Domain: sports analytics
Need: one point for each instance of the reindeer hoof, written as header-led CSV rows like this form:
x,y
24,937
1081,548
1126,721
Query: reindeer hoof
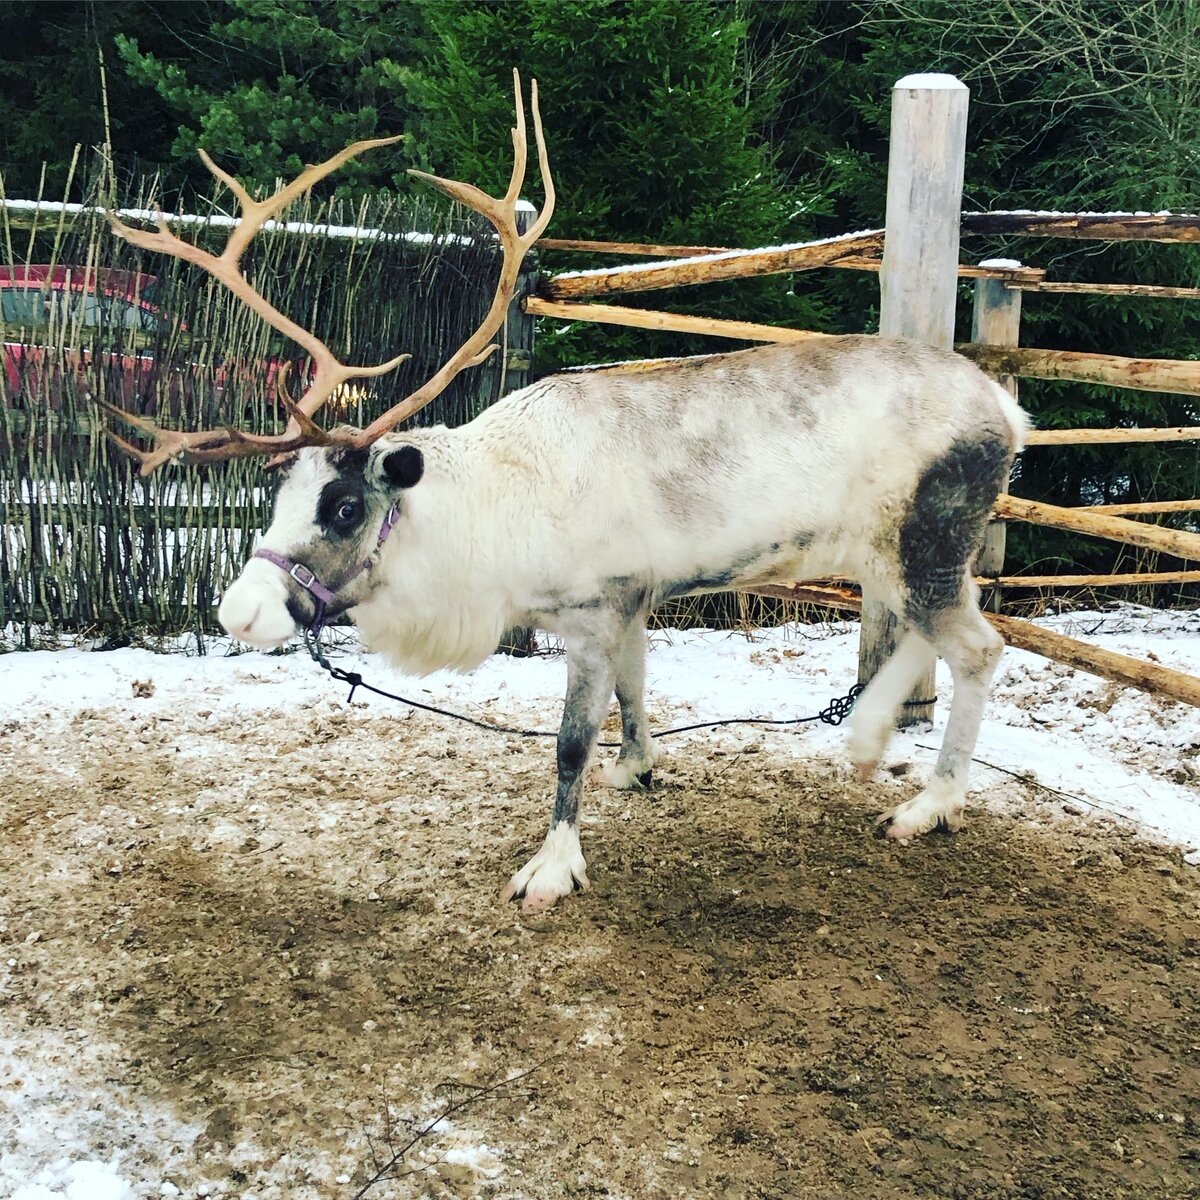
x,y
555,871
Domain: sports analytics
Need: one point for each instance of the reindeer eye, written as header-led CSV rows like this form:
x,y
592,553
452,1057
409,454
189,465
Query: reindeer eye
x,y
341,508
347,512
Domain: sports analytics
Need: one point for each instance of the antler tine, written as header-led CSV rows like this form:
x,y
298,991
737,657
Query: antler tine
x,y
255,213
214,445
211,445
501,212
536,230
169,444
519,140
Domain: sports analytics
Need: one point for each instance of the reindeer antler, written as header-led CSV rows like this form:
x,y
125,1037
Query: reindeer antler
x,y
211,445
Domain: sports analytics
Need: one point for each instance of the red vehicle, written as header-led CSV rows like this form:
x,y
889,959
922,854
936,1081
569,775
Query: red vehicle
x,y
51,314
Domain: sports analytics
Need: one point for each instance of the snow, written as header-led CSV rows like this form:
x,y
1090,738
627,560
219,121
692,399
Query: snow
x,y
1090,747
724,255
1049,212
85,1180
224,220
1002,264
931,83
1113,748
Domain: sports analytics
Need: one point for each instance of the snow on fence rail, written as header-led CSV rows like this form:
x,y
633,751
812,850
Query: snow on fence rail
x,y
25,214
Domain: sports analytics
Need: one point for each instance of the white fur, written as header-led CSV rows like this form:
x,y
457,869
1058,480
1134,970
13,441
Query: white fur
x,y
555,871
940,803
552,492
625,773
254,607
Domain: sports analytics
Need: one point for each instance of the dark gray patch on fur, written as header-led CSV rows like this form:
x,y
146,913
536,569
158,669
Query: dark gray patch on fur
x,y
349,460
347,488
623,594
278,470
300,612
705,451
714,581
576,736
815,373
685,498
682,500
945,523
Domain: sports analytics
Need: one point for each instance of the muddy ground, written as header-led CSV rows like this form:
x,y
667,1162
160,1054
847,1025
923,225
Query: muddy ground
x,y
279,934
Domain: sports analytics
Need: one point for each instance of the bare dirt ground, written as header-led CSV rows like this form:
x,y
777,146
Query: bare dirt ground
x,y
283,930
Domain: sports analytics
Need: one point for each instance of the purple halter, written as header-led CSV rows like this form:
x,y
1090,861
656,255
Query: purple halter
x,y
308,580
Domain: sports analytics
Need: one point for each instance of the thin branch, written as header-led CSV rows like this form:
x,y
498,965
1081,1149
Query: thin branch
x,y
455,1106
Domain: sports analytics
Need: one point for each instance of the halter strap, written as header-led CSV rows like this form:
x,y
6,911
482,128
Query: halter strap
x,y
307,578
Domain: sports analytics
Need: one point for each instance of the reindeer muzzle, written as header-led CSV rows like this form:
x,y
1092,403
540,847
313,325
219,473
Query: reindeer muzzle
x,y
326,602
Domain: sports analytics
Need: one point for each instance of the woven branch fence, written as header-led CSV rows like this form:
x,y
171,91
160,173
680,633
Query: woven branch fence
x,y
88,546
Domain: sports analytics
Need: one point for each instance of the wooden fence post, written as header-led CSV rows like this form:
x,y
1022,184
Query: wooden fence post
x,y
515,367
511,367
919,274
997,321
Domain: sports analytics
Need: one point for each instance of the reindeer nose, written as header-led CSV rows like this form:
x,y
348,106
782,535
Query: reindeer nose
x,y
255,610
245,629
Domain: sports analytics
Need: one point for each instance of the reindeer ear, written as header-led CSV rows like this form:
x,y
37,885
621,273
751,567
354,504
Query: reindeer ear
x,y
404,467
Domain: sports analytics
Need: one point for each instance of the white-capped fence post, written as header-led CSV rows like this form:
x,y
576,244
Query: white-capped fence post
x,y
997,322
919,276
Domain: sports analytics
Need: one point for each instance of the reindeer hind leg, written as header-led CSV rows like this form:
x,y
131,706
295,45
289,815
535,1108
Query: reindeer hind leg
x,y
938,541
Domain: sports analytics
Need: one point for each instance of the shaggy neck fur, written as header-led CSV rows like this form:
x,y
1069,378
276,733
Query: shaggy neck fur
x,y
436,602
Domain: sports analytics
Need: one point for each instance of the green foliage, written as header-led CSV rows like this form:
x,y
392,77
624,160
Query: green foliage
x,y
51,99
653,137
293,82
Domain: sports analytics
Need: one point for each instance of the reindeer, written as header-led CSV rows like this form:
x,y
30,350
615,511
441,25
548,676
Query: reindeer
x,y
582,501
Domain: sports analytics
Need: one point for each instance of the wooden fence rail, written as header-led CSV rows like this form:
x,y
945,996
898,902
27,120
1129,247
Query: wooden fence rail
x,y
733,264
1132,579
1118,529
1107,664
1180,376
1104,227
1145,508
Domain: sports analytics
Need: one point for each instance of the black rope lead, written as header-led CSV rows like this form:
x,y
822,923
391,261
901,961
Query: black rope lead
x,y
834,713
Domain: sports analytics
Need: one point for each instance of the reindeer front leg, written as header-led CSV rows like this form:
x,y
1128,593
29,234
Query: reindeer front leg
x,y
558,868
639,752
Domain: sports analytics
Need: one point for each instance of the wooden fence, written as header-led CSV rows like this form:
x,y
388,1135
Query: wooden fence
x,y
88,546
918,264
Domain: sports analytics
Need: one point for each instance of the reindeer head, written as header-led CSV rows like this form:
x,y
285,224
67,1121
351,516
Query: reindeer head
x,y
335,509
342,493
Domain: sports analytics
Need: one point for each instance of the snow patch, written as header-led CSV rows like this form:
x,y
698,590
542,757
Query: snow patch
x,y
931,83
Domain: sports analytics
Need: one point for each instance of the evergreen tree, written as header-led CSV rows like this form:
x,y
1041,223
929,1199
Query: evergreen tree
x,y
51,96
270,85
652,134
